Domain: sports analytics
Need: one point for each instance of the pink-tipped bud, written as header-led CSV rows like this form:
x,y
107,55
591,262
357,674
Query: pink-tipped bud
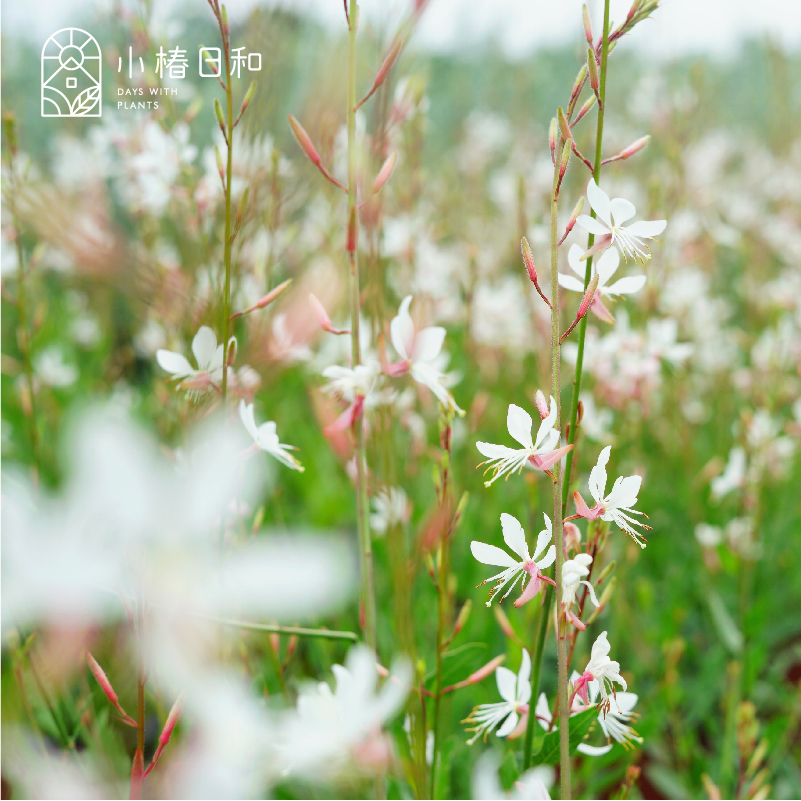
x,y
385,172
588,104
248,97
595,82
635,147
304,140
542,404
585,14
102,679
563,161
579,82
273,294
487,670
323,318
464,614
172,720
588,296
218,158
552,139
218,112
564,127
275,642
393,54
528,260
292,645
577,209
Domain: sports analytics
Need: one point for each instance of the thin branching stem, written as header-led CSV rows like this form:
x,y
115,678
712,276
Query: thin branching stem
x,y
228,243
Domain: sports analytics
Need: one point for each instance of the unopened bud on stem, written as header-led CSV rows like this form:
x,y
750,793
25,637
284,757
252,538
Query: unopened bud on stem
x,y
464,614
528,260
552,139
595,82
586,302
635,147
230,356
304,140
585,14
573,217
385,172
589,103
579,82
383,71
218,112
541,403
564,127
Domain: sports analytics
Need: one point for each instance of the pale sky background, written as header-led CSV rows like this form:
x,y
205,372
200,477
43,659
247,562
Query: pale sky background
x,y
680,26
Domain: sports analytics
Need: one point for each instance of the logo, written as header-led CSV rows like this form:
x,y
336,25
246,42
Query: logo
x,y
72,74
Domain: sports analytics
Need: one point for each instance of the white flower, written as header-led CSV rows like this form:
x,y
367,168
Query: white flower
x,y
418,351
532,785
614,723
516,693
541,454
390,508
601,669
708,536
351,382
573,572
515,538
330,728
605,267
732,476
611,214
618,505
208,354
51,368
265,437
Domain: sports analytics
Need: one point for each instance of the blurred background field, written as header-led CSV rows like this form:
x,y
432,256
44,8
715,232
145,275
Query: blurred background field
x,y
120,221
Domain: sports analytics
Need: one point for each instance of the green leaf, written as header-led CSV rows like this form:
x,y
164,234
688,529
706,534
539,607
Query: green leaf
x,y
580,726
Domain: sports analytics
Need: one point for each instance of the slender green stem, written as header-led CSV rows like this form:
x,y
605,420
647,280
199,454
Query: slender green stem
x,y
549,593
226,322
323,634
558,531
362,509
596,173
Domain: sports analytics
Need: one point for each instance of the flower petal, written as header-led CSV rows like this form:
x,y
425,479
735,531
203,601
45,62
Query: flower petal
x,y
548,559
592,226
568,282
496,451
594,750
174,363
524,679
401,329
607,264
627,285
599,201
647,228
490,555
622,210
247,415
597,480
514,536
507,683
519,423
427,344
575,263
203,346
624,492
508,726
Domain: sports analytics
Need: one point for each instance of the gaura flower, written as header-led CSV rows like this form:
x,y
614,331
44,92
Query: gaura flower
x,y
606,267
532,785
515,538
390,508
516,693
573,571
608,225
540,454
614,723
265,437
352,384
418,350
601,669
617,506
209,356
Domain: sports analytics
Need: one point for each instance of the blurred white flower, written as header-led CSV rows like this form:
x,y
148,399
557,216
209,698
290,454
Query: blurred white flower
x,y
608,224
605,268
209,356
52,370
532,785
708,536
516,693
390,508
515,539
540,454
418,351
601,669
733,475
265,437
618,505
332,729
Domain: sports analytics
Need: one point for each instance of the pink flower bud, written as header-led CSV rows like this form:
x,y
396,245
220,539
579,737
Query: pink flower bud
x,y
503,622
102,679
635,147
572,536
394,52
172,719
487,670
304,140
385,172
552,139
230,356
531,268
137,774
588,296
542,404
585,14
463,615
564,127
595,82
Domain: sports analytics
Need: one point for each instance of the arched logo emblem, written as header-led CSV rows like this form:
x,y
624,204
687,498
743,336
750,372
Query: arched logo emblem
x,y
72,73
